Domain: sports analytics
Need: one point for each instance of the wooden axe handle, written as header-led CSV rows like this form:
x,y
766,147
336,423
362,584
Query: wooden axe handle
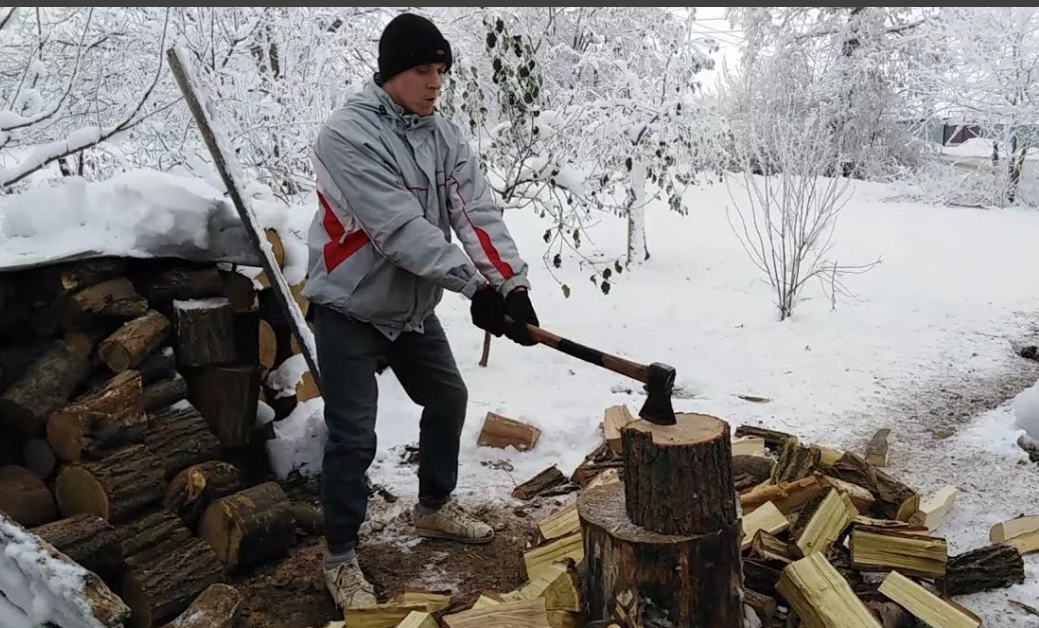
x,y
634,370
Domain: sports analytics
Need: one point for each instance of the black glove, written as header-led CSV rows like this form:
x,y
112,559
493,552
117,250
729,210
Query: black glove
x,y
487,309
520,310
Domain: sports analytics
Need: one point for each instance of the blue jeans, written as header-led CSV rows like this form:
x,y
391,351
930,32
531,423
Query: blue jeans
x,y
349,352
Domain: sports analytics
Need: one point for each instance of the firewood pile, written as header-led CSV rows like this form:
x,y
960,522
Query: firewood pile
x,y
129,439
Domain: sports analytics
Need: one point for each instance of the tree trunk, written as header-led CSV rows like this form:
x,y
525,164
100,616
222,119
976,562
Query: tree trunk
x,y
192,490
227,396
249,527
204,332
132,342
90,541
115,488
100,421
180,437
695,580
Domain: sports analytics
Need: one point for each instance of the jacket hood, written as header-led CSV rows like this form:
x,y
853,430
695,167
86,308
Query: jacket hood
x,y
373,97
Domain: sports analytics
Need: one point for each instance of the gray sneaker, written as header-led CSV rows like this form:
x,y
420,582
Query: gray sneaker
x,y
453,523
348,586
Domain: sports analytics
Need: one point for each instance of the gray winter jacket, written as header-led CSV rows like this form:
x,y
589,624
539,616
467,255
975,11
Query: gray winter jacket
x,y
391,187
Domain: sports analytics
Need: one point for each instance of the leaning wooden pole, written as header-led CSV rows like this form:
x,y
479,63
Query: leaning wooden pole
x,y
666,541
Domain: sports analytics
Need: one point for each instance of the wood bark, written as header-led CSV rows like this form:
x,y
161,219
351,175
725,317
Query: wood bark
x,y
216,607
192,490
167,568
99,421
679,477
249,527
995,566
90,541
24,497
40,563
204,333
695,579
183,283
46,385
180,437
115,488
544,481
132,342
227,396
160,364
66,278
240,290
165,392
115,299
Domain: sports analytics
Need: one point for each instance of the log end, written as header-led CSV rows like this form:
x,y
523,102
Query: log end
x,y
78,491
65,435
114,355
691,428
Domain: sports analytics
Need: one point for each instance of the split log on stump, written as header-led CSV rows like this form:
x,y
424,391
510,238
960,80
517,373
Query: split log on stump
x,y
204,333
227,396
73,595
160,364
90,541
696,579
217,607
100,421
116,488
25,498
192,490
167,568
164,393
39,457
679,477
996,566
132,342
249,527
180,437
46,385
113,298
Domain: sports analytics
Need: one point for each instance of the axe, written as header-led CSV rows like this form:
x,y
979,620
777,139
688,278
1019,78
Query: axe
x,y
659,379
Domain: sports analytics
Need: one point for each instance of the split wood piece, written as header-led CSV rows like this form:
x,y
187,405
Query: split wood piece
x,y
182,284
385,615
115,488
1018,526
595,463
488,598
39,457
560,523
160,364
877,447
133,341
418,619
249,527
239,290
609,476
502,432
860,496
921,555
788,497
25,498
542,557
113,299
894,500
748,446
46,385
216,607
821,597
432,601
559,584
66,278
615,419
926,606
165,392
167,568
519,614
827,456
192,490
227,396
769,547
823,521
679,477
933,511
544,481
100,421
204,332
995,566
695,579
90,541
772,438
795,462
765,517
890,524
763,605
74,595
180,437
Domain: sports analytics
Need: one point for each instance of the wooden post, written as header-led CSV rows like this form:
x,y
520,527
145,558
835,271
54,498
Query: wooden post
x,y
669,535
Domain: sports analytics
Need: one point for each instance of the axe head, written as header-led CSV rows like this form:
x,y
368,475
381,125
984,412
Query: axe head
x,y
659,385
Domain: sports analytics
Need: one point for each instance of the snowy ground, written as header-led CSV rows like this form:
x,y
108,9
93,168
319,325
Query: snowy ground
x,y
927,350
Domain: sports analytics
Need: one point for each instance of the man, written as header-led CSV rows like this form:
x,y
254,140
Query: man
x,y
394,179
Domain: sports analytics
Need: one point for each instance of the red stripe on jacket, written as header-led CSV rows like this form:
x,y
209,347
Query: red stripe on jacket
x,y
338,249
485,239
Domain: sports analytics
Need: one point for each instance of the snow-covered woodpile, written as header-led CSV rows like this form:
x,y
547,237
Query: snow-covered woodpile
x,y
132,435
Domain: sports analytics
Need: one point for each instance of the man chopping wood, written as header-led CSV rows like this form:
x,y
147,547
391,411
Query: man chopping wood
x,y
394,179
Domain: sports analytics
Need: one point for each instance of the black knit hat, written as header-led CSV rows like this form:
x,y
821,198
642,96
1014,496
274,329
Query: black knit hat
x,y
410,40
